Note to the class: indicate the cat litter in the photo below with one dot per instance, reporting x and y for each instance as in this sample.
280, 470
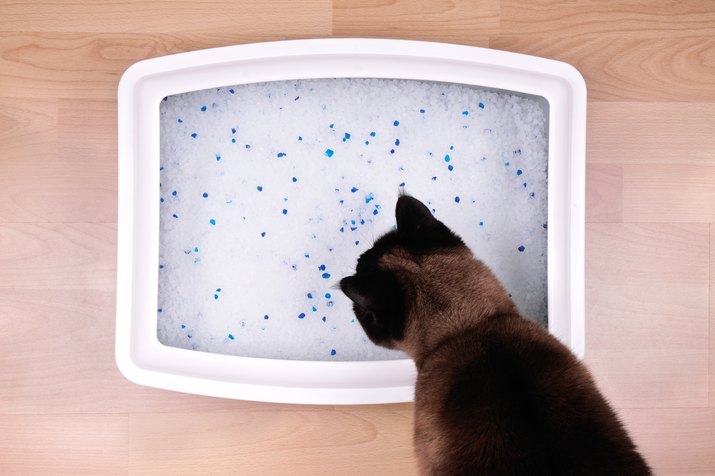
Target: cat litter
271, 191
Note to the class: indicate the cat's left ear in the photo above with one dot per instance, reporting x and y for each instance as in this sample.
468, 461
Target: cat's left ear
362, 290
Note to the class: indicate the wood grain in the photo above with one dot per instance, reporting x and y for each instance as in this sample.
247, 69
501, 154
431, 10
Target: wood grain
57, 256
661, 69
83, 66
461, 21
68, 172
669, 193
647, 313
657, 133
63, 444
711, 329
622, 19
604, 193
76, 328
307, 17
338, 440
677, 441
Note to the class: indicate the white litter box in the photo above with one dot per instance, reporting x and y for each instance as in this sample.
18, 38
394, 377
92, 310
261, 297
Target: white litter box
252, 177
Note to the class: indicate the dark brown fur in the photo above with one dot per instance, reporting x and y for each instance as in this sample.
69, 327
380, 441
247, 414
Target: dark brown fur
496, 394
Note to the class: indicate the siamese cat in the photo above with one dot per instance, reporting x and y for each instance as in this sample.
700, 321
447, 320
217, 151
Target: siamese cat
496, 394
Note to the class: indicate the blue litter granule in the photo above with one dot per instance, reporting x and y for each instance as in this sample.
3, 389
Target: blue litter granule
329, 152
231, 91
521, 248
212, 221
325, 275
397, 141
194, 135
465, 113
402, 184
218, 157
373, 134
285, 212
519, 172
422, 111
347, 137
230, 336
294, 180
203, 108
265, 317
450, 167
369, 197
281, 154
259, 188
447, 158
456, 199
332, 352
205, 195
354, 189
481, 105
179, 121
328, 295
301, 315
396, 123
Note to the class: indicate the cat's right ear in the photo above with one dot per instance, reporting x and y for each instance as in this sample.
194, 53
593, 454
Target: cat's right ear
412, 216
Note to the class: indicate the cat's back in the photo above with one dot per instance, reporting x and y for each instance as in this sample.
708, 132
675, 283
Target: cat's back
506, 397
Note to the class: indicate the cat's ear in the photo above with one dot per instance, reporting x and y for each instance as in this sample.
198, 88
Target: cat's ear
412, 215
362, 290
380, 301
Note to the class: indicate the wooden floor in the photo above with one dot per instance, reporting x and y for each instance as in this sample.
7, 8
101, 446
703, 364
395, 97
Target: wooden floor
64, 407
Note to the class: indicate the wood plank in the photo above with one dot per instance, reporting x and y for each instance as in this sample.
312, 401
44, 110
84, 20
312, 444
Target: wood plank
88, 66
651, 133
623, 19
70, 179
63, 444
647, 313
650, 70
668, 193
307, 17
604, 190
459, 21
58, 357
674, 441
59, 256
711, 329
278, 440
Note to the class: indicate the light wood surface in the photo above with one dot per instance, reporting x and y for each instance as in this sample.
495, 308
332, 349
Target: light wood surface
64, 407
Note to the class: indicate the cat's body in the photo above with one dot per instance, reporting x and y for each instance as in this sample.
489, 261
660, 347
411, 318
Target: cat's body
496, 394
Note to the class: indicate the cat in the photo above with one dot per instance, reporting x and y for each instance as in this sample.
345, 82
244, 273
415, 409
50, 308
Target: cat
496, 394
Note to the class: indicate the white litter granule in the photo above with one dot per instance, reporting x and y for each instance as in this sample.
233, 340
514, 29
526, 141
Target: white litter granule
271, 191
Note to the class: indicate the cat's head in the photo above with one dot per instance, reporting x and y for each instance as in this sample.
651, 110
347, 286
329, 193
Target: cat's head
407, 267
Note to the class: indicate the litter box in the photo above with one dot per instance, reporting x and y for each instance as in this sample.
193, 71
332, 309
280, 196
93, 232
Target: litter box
252, 177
